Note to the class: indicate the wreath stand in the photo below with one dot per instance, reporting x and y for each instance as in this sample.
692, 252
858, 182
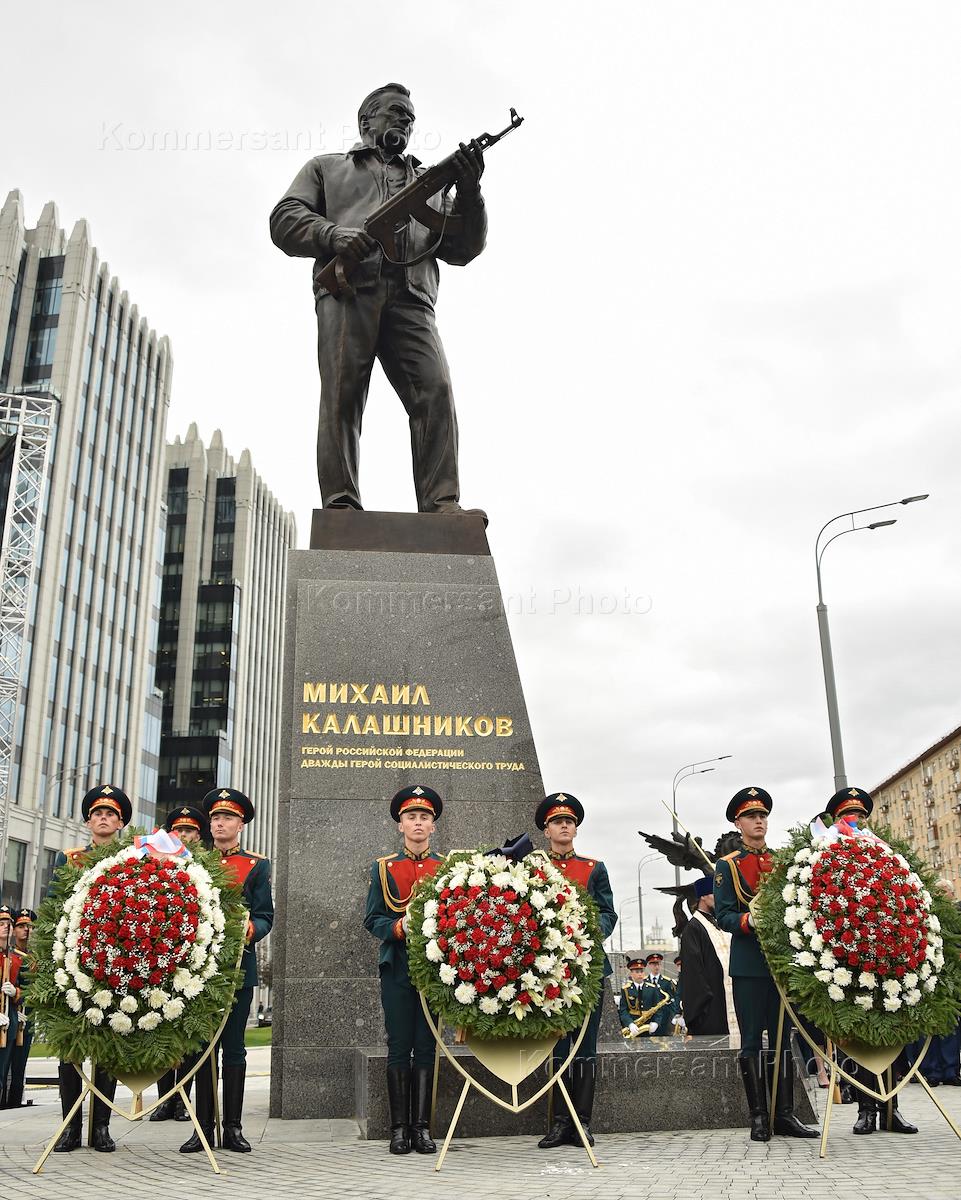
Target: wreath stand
511, 1060
875, 1059
138, 1083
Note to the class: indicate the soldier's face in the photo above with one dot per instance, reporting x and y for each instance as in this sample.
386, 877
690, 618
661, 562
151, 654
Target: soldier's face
561, 832
753, 828
389, 122
416, 826
187, 834
6, 932
103, 823
637, 974
225, 829
22, 934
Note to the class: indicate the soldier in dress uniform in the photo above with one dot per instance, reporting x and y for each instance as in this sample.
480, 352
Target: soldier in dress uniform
756, 1001
410, 1043
23, 1038
559, 815
856, 805
10, 989
191, 826
106, 809
228, 811
629, 1001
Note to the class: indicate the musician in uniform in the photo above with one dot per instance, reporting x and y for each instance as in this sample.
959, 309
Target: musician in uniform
856, 805
629, 1001
756, 1001
410, 1044
228, 811
190, 825
10, 965
559, 816
23, 1038
107, 810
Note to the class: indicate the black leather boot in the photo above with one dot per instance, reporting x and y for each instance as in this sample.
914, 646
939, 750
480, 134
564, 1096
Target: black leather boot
867, 1121
165, 1111
15, 1095
102, 1140
584, 1076
898, 1124
70, 1087
398, 1101
204, 1103
786, 1123
756, 1095
421, 1081
233, 1109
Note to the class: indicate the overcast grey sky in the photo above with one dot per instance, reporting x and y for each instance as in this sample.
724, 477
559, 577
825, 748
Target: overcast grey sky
719, 304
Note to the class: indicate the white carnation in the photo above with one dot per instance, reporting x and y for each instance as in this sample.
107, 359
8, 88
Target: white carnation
205, 932
795, 939
61, 978
74, 1003
544, 962
430, 908
434, 952
120, 1023
501, 880
805, 959
823, 976
828, 960
891, 987
552, 939
817, 942
538, 899
428, 927
157, 998
789, 893
803, 855
507, 993
193, 988
173, 1008
128, 1004
181, 979
934, 923
447, 974
464, 993
791, 916
58, 951
218, 920
94, 1016
910, 980
842, 976
912, 997
865, 1000
925, 970
805, 874
489, 1005
149, 1021
892, 1003
930, 984
835, 992
810, 929
867, 979
792, 873
83, 982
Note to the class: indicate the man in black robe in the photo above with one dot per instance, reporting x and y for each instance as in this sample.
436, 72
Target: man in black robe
704, 967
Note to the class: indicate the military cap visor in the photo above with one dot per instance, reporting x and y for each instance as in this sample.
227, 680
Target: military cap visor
228, 800
850, 802
749, 800
186, 817
416, 798
634, 964
654, 958
25, 916
558, 804
105, 795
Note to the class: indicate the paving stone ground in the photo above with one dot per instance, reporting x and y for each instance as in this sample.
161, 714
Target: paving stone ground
328, 1158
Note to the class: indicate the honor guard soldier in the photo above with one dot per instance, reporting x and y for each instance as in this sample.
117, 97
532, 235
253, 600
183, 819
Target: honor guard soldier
660, 994
190, 825
410, 1044
106, 809
228, 811
10, 964
737, 879
560, 815
855, 805
23, 1038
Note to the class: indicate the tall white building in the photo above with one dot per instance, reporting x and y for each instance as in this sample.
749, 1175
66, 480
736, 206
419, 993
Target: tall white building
220, 649
88, 709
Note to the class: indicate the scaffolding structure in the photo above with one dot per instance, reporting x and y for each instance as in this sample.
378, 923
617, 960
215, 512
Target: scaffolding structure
27, 424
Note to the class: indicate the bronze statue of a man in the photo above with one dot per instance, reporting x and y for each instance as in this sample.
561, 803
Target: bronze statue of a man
390, 315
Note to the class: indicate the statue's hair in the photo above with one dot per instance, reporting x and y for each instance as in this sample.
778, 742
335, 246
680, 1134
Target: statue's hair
367, 102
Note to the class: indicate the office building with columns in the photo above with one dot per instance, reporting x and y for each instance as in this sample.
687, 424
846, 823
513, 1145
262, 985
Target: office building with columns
221, 632
86, 707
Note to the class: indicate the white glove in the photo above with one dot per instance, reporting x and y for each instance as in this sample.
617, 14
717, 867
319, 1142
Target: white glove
750, 920
652, 1028
405, 923
4, 1020
633, 1029
9, 989
680, 1023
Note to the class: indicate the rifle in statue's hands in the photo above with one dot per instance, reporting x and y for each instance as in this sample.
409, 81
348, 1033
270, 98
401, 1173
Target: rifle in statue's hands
412, 201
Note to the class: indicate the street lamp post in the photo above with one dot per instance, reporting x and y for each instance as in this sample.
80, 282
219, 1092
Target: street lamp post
640, 895
55, 781
686, 772
827, 659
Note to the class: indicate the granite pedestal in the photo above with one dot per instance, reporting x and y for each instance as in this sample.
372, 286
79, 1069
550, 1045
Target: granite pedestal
642, 1085
399, 669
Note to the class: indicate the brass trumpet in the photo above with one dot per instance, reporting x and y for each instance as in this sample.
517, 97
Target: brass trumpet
644, 1018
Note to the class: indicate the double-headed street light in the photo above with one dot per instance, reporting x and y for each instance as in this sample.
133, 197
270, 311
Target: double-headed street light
827, 660
685, 772
640, 895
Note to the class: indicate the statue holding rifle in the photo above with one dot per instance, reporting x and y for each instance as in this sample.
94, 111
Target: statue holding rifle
376, 222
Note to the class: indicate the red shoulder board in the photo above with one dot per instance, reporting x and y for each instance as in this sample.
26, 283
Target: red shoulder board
239, 866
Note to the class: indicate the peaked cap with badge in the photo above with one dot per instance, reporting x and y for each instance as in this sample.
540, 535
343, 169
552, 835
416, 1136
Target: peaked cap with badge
849, 802
105, 795
187, 817
748, 800
228, 800
558, 804
416, 798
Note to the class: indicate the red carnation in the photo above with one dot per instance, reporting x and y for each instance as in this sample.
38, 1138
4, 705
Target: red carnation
512, 972
523, 998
